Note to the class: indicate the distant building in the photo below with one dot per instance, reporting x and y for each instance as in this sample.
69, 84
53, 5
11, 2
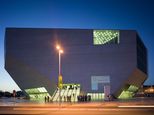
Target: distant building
145, 91
148, 89
95, 62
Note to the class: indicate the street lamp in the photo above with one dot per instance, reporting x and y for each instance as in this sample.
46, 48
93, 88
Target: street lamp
60, 79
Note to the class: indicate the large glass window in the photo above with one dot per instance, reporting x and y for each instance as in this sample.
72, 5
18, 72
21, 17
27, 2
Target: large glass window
96, 96
105, 37
128, 93
95, 80
37, 93
36, 90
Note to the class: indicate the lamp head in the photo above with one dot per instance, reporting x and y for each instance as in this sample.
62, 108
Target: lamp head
58, 47
61, 51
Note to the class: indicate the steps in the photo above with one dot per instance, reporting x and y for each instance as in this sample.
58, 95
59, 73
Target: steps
69, 92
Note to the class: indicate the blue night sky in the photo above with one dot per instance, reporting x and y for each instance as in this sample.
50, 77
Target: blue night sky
94, 14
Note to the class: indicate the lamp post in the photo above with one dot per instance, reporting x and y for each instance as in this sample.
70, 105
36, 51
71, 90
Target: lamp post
60, 51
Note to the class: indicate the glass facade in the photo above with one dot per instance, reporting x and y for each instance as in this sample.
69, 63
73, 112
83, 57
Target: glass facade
36, 90
37, 93
68, 93
105, 37
129, 92
95, 80
96, 96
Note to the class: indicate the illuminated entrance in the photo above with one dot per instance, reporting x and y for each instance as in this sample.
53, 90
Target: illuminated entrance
69, 93
96, 96
37, 93
103, 92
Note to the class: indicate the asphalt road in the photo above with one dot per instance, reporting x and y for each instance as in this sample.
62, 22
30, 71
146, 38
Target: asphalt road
76, 111
24, 107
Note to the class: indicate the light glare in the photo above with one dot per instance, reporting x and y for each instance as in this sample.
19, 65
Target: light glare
58, 47
61, 51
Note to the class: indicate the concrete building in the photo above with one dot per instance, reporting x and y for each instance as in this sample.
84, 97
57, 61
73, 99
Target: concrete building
97, 62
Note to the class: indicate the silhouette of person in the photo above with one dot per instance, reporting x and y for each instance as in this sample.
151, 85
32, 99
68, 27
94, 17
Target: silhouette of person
45, 98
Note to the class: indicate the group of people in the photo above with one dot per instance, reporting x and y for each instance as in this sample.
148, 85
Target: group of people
67, 98
70, 87
110, 97
84, 98
47, 99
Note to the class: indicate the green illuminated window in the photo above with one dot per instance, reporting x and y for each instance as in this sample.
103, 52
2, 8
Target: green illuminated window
36, 90
128, 93
132, 88
105, 37
37, 93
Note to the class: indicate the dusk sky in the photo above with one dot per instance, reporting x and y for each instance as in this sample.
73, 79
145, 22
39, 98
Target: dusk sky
86, 14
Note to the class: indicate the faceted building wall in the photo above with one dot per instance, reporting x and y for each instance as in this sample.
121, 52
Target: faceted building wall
95, 59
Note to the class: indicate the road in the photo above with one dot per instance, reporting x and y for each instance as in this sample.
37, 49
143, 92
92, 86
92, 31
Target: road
39, 110
23, 107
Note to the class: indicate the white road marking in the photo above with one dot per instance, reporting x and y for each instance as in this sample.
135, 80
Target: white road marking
138, 106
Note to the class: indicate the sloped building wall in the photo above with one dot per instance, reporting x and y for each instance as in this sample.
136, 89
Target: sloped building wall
32, 60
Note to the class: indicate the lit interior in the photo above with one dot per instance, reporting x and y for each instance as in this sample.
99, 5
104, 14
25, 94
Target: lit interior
72, 90
149, 90
96, 96
37, 93
105, 37
128, 93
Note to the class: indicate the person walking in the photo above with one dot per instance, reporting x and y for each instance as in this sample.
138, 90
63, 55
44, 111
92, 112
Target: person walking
48, 98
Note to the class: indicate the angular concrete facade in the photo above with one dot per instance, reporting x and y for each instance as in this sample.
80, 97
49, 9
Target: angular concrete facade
31, 59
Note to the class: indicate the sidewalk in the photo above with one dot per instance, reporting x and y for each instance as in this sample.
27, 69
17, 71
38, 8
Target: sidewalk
116, 103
